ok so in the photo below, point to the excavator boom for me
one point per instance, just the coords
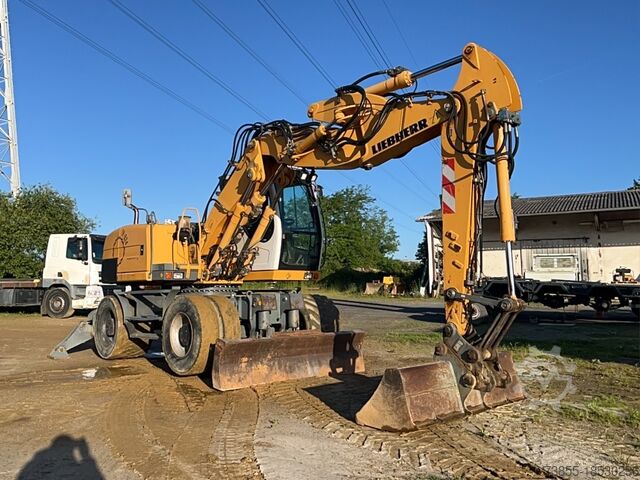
(262, 223)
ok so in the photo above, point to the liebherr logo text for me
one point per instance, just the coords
(401, 135)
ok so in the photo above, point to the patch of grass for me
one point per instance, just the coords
(358, 295)
(519, 350)
(606, 349)
(607, 401)
(413, 338)
(606, 410)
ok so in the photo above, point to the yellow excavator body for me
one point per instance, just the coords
(262, 223)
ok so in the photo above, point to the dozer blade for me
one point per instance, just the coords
(413, 397)
(82, 333)
(285, 356)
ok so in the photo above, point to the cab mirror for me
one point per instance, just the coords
(126, 197)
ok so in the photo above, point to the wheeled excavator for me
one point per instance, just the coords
(181, 284)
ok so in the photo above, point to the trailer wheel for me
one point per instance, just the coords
(320, 313)
(57, 303)
(110, 334)
(190, 326)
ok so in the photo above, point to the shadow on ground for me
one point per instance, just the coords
(347, 396)
(66, 457)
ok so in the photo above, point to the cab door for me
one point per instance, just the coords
(302, 239)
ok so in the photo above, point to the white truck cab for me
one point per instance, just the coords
(71, 275)
(70, 279)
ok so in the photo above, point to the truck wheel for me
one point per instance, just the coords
(57, 303)
(320, 313)
(110, 334)
(190, 326)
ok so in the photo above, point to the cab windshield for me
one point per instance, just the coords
(97, 247)
(301, 238)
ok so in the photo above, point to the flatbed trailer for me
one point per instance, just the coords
(602, 297)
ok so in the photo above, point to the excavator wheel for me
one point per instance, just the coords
(110, 334)
(190, 326)
(228, 312)
(320, 313)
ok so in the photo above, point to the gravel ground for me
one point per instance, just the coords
(88, 418)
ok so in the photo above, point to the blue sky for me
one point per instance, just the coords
(90, 128)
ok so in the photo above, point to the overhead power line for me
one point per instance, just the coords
(123, 63)
(378, 46)
(172, 46)
(370, 33)
(235, 37)
(419, 179)
(402, 37)
(407, 187)
(297, 42)
(358, 35)
(390, 205)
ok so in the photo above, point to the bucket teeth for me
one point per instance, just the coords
(285, 356)
(409, 398)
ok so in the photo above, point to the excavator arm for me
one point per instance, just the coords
(364, 127)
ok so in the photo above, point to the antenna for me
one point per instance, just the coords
(9, 162)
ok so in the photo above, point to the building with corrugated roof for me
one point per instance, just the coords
(584, 236)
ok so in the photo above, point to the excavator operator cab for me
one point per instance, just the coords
(299, 211)
(295, 238)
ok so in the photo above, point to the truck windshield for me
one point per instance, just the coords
(97, 245)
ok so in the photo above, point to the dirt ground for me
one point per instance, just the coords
(88, 418)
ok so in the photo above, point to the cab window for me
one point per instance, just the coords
(77, 248)
(97, 248)
(300, 229)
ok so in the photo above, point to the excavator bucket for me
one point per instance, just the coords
(285, 356)
(410, 398)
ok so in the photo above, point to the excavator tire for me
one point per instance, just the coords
(110, 334)
(228, 312)
(190, 325)
(320, 313)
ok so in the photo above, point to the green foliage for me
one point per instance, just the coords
(359, 233)
(421, 253)
(26, 223)
(408, 272)
(348, 280)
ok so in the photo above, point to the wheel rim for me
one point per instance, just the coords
(180, 334)
(57, 303)
(107, 327)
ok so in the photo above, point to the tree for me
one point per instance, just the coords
(26, 222)
(421, 253)
(635, 185)
(359, 233)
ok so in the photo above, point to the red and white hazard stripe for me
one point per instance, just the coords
(448, 186)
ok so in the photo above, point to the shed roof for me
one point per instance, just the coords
(563, 204)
